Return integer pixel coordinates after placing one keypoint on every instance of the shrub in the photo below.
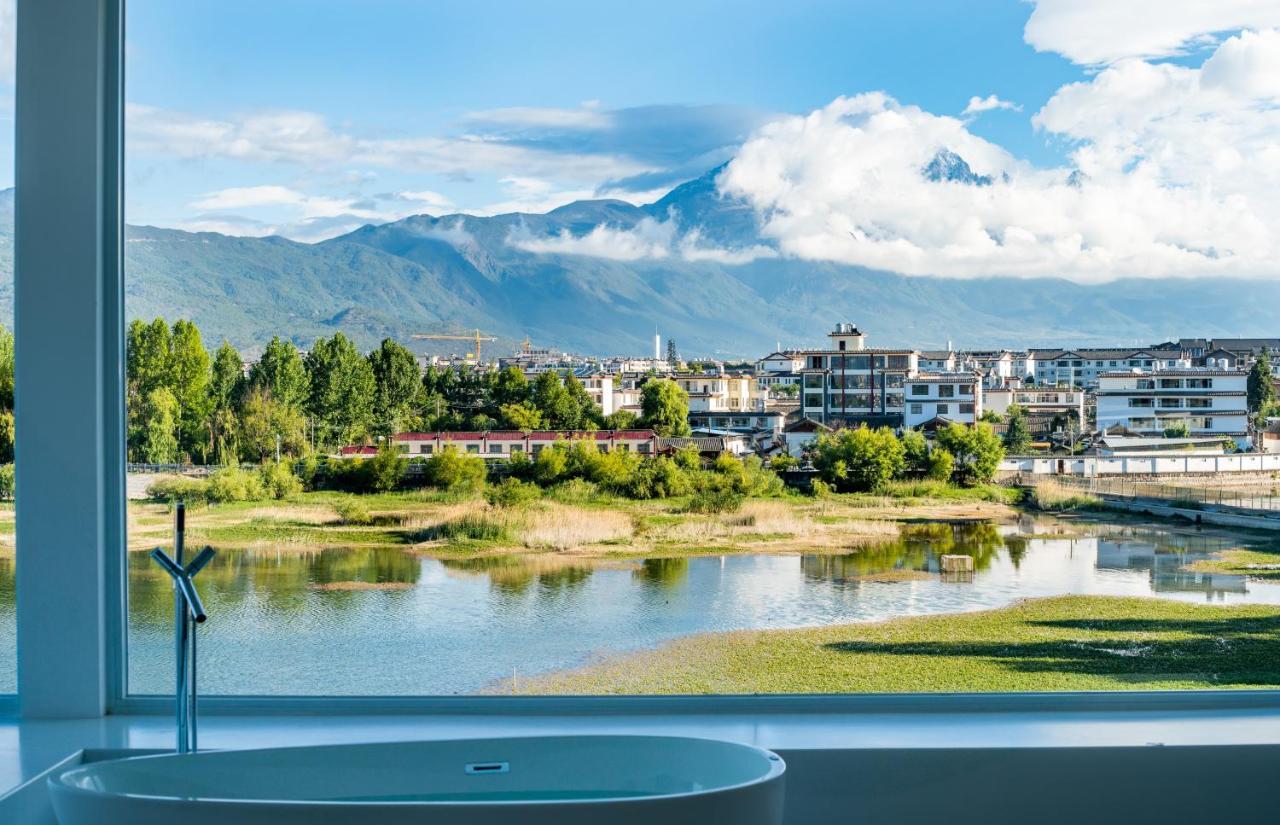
(658, 478)
(234, 484)
(575, 491)
(512, 492)
(940, 464)
(178, 488)
(715, 500)
(385, 470)
(353, 512)
(859, 459)
(8, 482)
(915, 452)
(821, 489)
(306, 470)
(783, 462)
(688, 458)
(456, 471)
(278, 480)
(551, 465)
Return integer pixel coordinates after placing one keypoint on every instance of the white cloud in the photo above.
(587, 117)
(978, 105)
(8, 41)
(1180, 181)
(648, 240)
(306, 139)
(1095, 32)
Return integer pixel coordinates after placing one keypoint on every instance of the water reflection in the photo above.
(384, 621)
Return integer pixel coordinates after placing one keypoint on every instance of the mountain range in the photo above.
(512, 276)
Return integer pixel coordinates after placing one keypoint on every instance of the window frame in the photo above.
(105, 346)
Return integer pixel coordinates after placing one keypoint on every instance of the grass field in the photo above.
(575, 521)
(1055, 644)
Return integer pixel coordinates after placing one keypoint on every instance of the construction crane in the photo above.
(476, 338)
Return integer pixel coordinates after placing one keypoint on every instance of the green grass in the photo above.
(260, 530)
(1259, 564)
(1056, 644)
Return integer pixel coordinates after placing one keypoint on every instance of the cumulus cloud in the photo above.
(1177, 179)
(1094, 32)
(649, 239)
(978, 105)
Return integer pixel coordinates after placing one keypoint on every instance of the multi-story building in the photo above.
(779, 369)
(1037, 401)
(721, 391)
(952, 396)
(1082, 367)
(1208, 401)
(849, 384)
(599, 385)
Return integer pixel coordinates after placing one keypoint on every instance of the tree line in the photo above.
(186, 404)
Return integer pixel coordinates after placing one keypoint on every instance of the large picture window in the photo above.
(443, 323)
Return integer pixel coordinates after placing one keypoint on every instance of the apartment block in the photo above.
(1208, 401)
(953, 397)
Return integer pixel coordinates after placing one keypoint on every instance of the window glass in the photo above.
(378, 255)
(8, 586)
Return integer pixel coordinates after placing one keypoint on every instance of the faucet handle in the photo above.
(182, 579)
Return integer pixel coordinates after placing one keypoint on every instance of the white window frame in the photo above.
(69, 305)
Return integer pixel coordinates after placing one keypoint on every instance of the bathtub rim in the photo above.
(56, 783)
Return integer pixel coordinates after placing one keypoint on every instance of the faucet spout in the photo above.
(188, 613)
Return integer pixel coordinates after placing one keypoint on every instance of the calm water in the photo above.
(292, 623)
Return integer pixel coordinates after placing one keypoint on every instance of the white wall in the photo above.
(1141, 465)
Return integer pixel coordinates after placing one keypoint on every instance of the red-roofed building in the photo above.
(500, 445)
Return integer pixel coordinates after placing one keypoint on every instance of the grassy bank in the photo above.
(1054, 644)
(574, 519)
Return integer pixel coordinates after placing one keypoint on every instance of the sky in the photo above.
(1121, 137)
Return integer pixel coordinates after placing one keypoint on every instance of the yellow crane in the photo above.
(476, 338)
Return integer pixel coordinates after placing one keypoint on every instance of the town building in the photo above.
(1082, 367)
(500, 445)
(1209, 401)
(849, 384)
(952, 397)
(720, 392)
(1037, 402)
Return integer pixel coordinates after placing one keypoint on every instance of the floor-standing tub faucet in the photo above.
(188, 611)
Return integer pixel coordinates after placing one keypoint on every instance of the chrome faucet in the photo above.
(188, 612)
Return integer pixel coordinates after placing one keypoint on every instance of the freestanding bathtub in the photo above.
(547, 780)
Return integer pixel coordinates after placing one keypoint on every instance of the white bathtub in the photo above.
(565, 780)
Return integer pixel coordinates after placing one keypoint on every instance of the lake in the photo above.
(385, 621)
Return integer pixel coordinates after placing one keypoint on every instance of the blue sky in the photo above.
(406, 69)
(1120, 137)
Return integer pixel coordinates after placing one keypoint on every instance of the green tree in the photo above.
(226, 389)
(620, 420)
(264, 419)
(915, 453)
(553, 400)
(977, 451)
(147, 360)
(859, 459)
(282, 373)
(397, 386)
(1178, 428)
(160, 413)
(385, 470)
(6, 369)
(342, 390)
(189, 382)
(664, 408)
(1261, 390)
(456, 471)
(521, 416)
(7, 436)
(1017, 436)
(509, 386)
(585, 415)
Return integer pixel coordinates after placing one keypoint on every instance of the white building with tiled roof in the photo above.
(1208, 401)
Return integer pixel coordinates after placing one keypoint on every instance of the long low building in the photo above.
(500, 445)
